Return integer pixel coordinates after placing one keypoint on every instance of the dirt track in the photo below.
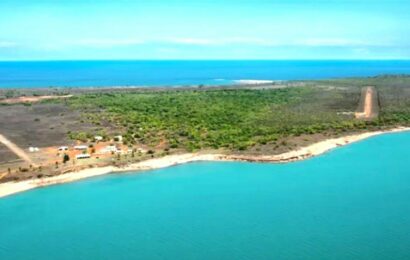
(368, 107)
(15, 149)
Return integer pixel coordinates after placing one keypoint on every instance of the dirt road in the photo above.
(368, 108)
(368, 104)
(15, 149)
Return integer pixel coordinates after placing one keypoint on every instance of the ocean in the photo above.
(182, 73)
(350, 203)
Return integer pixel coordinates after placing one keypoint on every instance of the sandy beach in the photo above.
(167, 161)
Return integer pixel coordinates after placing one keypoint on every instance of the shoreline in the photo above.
(303, 153)
(69, 91)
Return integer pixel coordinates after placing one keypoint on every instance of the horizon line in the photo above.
(187, 60)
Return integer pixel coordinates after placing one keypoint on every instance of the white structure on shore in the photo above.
(110, 149)
(81, 147)
(33, 149)
(63, 148)
(98, 138)
(83, 156)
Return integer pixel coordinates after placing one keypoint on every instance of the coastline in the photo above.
(303, 153)
(32, 95)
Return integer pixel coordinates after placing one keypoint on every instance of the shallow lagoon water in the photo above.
(351, 203)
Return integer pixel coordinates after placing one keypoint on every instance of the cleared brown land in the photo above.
(368, 106)
(6, 155)
(37, 125)
(40, 125)
(30, 99)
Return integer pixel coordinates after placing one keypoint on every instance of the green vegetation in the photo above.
(237, 119)
(66, 158)
(394, 95)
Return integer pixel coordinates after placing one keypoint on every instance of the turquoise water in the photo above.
(177, 73)
(352, 203)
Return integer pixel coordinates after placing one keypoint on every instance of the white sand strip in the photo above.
(300, 154)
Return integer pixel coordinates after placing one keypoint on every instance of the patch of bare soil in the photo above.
(38, 125)
(368, 106)
(6, 155)
(30, 99)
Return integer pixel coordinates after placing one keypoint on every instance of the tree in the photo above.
(66, 158)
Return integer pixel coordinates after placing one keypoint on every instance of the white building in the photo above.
(81, 147)
(98, 138)
(33, 149)
(110, 149)
(63, 148)
(83, 156)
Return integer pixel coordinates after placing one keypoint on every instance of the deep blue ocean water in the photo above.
(182, 73)
(351, 203)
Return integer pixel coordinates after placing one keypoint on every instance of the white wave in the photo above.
(253, 81)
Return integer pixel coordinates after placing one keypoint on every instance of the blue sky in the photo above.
(207, 29)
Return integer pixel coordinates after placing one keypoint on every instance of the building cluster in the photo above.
(113, 148)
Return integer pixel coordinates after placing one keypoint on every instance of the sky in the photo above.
(204, 29)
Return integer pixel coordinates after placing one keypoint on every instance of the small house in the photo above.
(109, 149)
(33, 149)
(83, 156)
(63, 148)
(81, 147)
(98, 138)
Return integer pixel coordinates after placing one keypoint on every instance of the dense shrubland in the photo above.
(236, 119)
